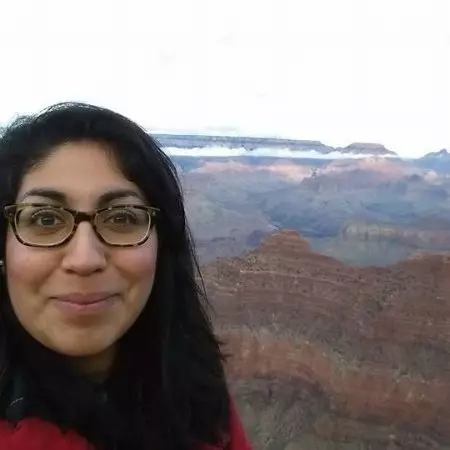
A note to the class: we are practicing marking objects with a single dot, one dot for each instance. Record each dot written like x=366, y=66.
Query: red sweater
x=35, y=434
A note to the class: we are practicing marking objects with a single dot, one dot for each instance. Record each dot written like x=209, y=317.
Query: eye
x=120, y=217
x=43, y=217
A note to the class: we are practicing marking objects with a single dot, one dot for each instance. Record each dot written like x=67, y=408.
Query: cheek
x=138, y=266
x=26, y=268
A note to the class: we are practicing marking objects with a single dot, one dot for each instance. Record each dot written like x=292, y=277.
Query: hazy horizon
x=262, y=136
x=296, y=153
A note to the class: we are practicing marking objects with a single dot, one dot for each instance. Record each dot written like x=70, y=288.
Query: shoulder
x=36, y=434
x=237, y=439
x=18, y=430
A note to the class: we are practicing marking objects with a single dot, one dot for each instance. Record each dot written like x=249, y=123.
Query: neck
x=97, y=366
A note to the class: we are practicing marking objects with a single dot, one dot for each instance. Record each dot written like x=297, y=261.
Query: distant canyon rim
x=371, y=211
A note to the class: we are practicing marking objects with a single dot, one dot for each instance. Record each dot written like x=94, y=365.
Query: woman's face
x=80, y=298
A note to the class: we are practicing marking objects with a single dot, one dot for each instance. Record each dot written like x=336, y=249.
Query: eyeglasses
x=44, y=225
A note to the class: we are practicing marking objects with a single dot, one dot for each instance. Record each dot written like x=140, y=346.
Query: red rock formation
x=369, y=346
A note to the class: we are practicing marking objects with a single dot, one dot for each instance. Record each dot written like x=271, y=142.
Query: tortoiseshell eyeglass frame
x=11, y=211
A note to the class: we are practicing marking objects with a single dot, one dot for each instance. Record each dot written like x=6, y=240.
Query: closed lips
x=84, y=299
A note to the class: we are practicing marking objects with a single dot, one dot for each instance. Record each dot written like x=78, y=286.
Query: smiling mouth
x=84, y=299
x=85, y=303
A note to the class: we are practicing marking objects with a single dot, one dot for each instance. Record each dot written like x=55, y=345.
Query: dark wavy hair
x=167, y=389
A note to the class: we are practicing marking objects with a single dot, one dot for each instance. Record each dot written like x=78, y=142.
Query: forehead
x=82, y=171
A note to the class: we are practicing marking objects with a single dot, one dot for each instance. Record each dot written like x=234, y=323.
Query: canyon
x=329, y=281
x=328, y=356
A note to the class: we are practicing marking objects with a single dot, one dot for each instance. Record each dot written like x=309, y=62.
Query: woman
x=105, y=342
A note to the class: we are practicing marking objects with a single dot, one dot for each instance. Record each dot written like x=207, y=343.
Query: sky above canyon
x=338, y=71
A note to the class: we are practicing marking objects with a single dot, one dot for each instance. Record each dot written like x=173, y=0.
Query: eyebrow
x=60, y=197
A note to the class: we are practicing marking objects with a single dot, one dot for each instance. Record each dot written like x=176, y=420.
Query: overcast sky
x=332, y=70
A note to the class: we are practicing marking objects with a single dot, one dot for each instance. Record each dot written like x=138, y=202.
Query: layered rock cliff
x=327, y=356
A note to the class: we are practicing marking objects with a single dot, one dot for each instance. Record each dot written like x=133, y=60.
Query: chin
x=76, y=352
x=78, y=348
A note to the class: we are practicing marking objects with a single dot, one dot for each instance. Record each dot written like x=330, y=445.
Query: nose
x=84, y=254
